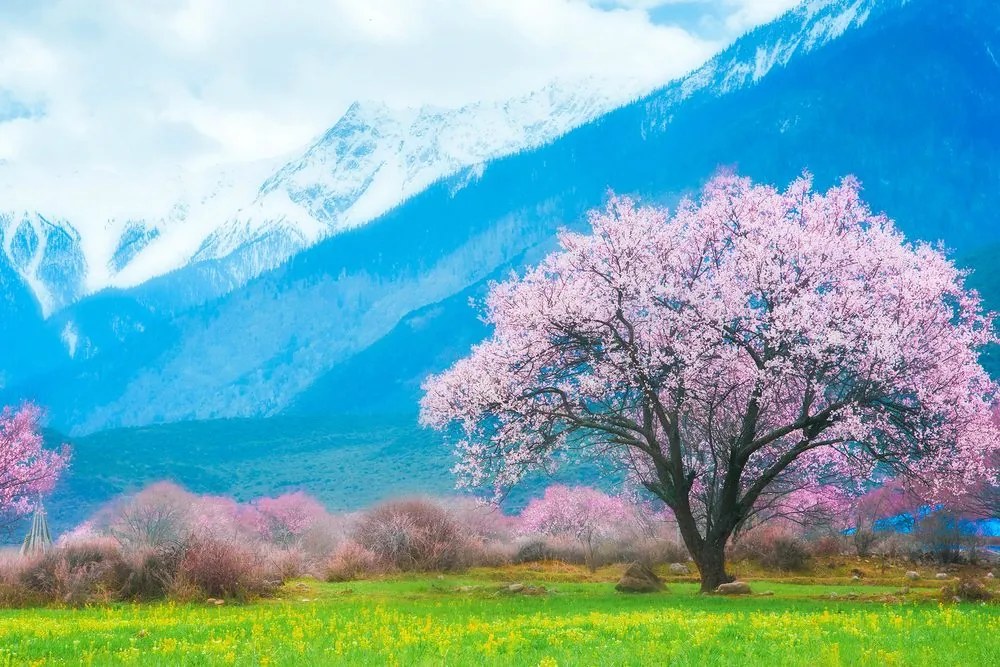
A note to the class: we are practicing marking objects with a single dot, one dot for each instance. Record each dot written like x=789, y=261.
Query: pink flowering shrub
x=584, y=514
x=287, y=518
x=351, y=561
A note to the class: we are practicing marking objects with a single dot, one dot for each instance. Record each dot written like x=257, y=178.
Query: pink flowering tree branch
x=27, y=469
x=750, y=345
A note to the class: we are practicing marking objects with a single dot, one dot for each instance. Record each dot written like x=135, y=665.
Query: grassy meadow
x=571, y=618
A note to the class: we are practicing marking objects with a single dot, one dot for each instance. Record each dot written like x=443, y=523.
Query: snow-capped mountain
x=906, y=97
x=46, y=253
x=803, y=29
x=252, y=218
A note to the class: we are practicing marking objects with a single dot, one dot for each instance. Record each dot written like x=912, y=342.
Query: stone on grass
x=734, y=588
x=912, y=576
x=639, y=578
x=520, y=589
x=989, y=575
x=967, y=590
x=679, y=569
x=942, y=576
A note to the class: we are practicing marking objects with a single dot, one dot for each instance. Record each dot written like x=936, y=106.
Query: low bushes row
x=101, y=570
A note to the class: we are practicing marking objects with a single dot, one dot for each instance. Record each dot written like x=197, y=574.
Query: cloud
x=125, y=85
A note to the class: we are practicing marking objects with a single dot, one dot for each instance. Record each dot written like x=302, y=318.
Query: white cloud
x=128, y=85
x=117, y=105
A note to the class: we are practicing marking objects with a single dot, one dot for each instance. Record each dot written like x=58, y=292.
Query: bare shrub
x=772, y=546
x=412, y=535
x=488, y=553
x=865, y=538
x=827, y=545
x=148, y=574
x=659, y=552
x=223, y=569
x=940, y=536
x=284, y=564
x=77, y=574
x=156, y=517
x=351, y=561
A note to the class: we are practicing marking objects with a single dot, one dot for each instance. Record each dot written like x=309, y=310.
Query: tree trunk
x=708, y=554
x=711, y=562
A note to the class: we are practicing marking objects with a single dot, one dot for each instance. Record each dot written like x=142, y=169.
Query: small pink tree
x=581, y=513
x=752, y=344
x=27, y=469
x=288, y=517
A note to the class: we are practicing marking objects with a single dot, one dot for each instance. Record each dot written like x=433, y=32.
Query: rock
x=855, y=578
x=989, y=575
x=912, y=576
x=466, y=589
x=942, y=576
x=639, y=578
x=515, y=588
x=679, y=569
x=967, y=590
x=734, y=588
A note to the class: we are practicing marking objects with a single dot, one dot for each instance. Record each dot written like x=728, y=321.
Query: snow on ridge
x=373, y=159
x=804, y=28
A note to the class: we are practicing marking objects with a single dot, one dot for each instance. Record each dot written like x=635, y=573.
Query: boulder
x=912, y=576
x=734, y=588
x=679, y=569
x=639, y=578
x=989, y=575
x=942, y=576
x=515, y=588
x=967, y=590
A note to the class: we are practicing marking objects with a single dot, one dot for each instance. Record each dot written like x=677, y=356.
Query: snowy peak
x=803, y=29
x=376, y=157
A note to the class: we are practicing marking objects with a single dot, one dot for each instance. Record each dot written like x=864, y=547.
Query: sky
x=119, y=87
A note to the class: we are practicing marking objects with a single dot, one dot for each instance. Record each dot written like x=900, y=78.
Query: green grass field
x=467, y=619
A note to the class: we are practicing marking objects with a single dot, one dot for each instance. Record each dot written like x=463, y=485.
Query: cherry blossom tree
x=581, y=513
x=288, y=517
x=752, y=344
x=27, y=469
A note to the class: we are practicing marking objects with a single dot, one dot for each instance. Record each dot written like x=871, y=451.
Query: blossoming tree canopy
x=751, y=344
x=27, y=469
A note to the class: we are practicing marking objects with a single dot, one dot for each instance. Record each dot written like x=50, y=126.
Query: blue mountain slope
x=907, y=99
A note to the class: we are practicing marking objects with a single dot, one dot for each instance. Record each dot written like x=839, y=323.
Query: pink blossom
x=27, y=469
x=753, y=344
x=289, y=516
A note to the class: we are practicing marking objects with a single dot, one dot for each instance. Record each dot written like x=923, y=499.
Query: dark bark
x=711, y=564
x=708, y=554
